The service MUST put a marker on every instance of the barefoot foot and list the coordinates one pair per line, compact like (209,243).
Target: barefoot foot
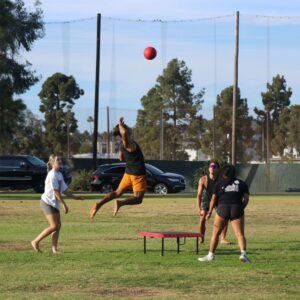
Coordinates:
(55,251)
(35,246)
(117,207)
(225,242)
(202,239)
(94,210)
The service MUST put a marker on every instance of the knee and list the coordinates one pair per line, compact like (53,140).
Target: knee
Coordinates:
(217,230)
(203,217)
(116,194)
(55,227)
(240,235)
(139,199)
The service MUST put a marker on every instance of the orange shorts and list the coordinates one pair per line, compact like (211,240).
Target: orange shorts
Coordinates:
(137,183)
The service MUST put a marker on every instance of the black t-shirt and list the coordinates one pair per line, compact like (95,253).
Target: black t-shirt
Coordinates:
(230,192)
(135,163)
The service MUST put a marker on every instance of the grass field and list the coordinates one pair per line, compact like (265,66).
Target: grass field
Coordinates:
(104,259)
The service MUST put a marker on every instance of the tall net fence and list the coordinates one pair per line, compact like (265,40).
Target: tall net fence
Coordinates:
(268,46)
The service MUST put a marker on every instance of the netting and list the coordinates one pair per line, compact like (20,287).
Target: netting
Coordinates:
(268,46)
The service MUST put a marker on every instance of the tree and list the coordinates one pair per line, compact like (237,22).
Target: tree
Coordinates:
(172,102)
(147,129)
(287,131)
(11,117)
(223,128)
(275,99)
(18,30)
(29,138)
(58,96)
(90,120)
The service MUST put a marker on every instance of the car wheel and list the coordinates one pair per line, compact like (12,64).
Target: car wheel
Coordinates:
(161,189)
(106,188)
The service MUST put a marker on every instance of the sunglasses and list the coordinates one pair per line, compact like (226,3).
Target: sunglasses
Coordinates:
(213,166)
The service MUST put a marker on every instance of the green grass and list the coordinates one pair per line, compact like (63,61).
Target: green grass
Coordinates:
(104,259)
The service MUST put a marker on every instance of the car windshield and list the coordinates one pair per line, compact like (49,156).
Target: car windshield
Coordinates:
(153,169)
(36,161)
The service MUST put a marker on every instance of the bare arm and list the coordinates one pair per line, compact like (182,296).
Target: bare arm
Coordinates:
(201,186)
(71,195)
(129,145)
(212,204)
(61,200)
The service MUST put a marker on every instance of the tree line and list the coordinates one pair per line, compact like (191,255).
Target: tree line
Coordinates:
(169,122)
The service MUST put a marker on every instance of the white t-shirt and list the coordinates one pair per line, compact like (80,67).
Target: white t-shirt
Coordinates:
(54,181)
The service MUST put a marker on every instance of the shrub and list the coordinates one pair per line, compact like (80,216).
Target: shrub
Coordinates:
(81,181)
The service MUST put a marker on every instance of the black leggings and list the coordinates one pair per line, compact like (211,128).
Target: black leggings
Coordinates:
(230,211)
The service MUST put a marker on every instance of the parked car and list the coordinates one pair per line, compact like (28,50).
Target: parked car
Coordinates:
(108,176)
(25,172)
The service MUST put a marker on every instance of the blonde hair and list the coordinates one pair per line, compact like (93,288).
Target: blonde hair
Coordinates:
(50,162)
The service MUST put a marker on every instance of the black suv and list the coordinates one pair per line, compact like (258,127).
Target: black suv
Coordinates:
(107,178)
(25,172)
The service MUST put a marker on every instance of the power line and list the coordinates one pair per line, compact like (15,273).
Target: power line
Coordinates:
(71,21)
(142,20)
(272,17)
(173,21)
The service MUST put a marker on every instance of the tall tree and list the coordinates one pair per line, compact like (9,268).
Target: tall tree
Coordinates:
(18,30)
(287,131)
(173,95)
(90,120)
(58,96)
(29,138)
(11,117)
(222,124)
(275,99)
(147,129)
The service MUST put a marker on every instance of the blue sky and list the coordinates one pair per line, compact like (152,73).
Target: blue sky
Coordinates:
(268,46)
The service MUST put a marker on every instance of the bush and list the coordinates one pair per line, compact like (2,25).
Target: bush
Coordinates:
(81,181)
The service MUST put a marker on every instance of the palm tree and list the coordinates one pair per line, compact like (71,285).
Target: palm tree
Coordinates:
(90,120)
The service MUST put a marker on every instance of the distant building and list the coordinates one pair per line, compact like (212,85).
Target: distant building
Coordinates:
(288,154)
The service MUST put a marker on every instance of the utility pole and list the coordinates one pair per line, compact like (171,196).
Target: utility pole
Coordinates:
(214,131)
(108,133)
(161,152)
(268,135)
(97,79)
(235,91)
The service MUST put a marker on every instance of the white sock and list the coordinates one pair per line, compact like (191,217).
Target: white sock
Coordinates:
(243,252)
(210,254)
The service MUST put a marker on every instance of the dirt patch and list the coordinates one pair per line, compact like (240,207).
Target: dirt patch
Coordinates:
(130,292)
(6,211)
(14,247)
(108,292)
(120,239)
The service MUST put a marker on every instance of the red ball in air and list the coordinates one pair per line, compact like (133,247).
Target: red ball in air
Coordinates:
(150,53)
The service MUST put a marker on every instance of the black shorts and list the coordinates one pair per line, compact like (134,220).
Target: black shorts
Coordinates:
(205,205)
(230,211)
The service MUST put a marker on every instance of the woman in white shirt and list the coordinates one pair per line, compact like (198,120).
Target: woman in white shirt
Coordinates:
(51,201)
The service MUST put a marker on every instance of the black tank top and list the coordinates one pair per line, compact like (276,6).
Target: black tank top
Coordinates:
(135,163)
(210,188)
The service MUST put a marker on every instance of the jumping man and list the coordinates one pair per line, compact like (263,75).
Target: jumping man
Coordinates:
(135,173)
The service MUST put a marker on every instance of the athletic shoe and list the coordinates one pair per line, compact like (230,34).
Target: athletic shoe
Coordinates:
(244,258)
(206,258)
